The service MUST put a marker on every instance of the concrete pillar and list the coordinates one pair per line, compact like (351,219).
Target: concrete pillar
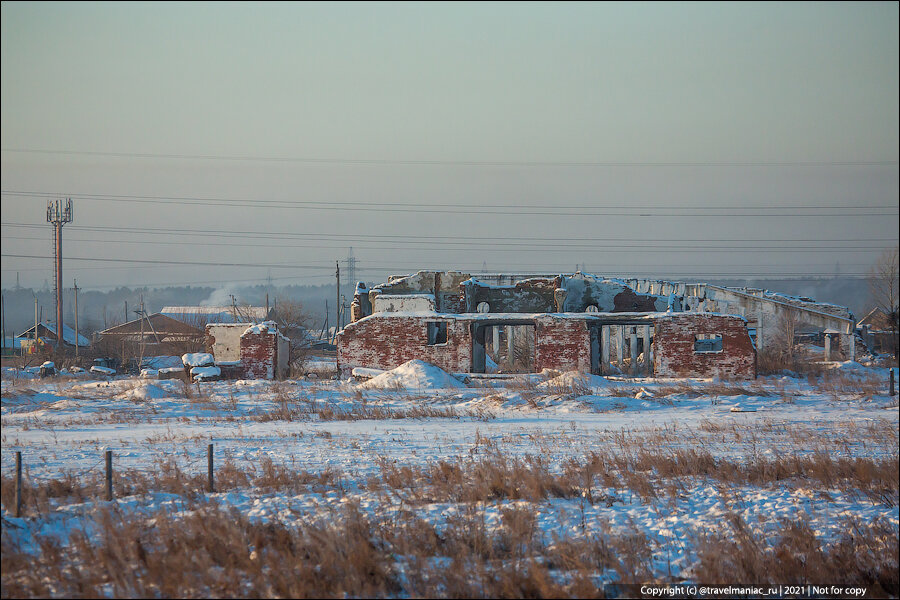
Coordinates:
(620,344)
(851,350)
(510,343)
(759,331)
(604,355)
(648,360)
(634,350)
(827,346)
(495,342)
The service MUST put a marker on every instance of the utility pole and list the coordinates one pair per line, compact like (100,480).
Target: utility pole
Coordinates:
(59,215)
(34,348)
(141,315)
(75,283)
(337,279)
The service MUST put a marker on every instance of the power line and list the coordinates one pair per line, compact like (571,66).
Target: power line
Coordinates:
(461,163)
(630,210)
(171,262)
(496,247)
(407,238)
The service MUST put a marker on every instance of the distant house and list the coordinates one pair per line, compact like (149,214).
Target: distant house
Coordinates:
(46,334)
(201,316)
(154,334)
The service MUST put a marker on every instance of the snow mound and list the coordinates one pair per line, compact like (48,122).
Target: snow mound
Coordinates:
(198,359)
(144,391)
(571,379)
(414,374)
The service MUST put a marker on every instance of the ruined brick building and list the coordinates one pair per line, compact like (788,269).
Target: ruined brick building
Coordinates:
(527,323)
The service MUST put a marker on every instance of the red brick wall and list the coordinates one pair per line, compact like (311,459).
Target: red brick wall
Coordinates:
(387,342)
(564,345)
(258,355)
(673,347)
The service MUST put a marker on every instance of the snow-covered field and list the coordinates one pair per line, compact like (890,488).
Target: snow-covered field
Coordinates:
(679,461)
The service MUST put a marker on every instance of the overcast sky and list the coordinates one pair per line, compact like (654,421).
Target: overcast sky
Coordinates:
(669,140)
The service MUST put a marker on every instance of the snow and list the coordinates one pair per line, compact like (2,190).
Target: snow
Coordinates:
(161,362)
(574,378)
(257,328)
(416,375)
(62,428)
(197,359)
(205,372)
(103,370)
(366,373)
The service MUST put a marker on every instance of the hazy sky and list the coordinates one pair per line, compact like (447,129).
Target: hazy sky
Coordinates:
(691,140)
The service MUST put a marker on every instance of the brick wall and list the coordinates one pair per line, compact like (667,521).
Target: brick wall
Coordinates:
(258,355)
(562,344)
(673,347)
(383,342)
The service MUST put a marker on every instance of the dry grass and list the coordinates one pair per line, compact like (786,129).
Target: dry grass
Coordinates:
(212,552)
(867,555)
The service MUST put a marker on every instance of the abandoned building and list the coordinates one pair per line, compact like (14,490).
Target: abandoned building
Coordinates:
(256,351)
(577,321)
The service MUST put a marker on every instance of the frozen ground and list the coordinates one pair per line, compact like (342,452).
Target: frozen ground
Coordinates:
(418,417)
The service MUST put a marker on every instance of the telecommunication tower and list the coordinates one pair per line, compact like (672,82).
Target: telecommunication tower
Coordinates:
(58,214)
(351,270)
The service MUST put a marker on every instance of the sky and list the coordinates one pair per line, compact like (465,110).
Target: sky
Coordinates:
(223,143)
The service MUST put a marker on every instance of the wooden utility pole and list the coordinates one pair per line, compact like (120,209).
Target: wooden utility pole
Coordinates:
(75,283)
(337,279)
(141,315)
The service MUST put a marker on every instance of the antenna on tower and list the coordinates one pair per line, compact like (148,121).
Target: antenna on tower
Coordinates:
(59,214)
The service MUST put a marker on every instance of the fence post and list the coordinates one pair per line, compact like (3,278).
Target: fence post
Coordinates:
(209,467)
(109,488)
(18,484)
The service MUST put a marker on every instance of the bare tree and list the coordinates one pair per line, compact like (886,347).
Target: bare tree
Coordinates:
(884,285)
(293,321)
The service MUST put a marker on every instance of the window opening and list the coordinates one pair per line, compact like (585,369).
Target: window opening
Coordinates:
(707,342)
(437,332)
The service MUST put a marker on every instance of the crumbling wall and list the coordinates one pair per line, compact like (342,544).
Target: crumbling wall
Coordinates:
(443,285)
(223,340)
(258,355)
(674,347)
(264,351)
(526,296)
(562,344)
(361,306)
(385,342)
(579,291)
(382,303)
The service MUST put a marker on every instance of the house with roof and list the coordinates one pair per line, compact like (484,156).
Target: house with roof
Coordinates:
(47,337)
(155,334)
(201,316)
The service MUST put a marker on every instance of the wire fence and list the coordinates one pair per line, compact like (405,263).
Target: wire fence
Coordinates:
(108,473)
